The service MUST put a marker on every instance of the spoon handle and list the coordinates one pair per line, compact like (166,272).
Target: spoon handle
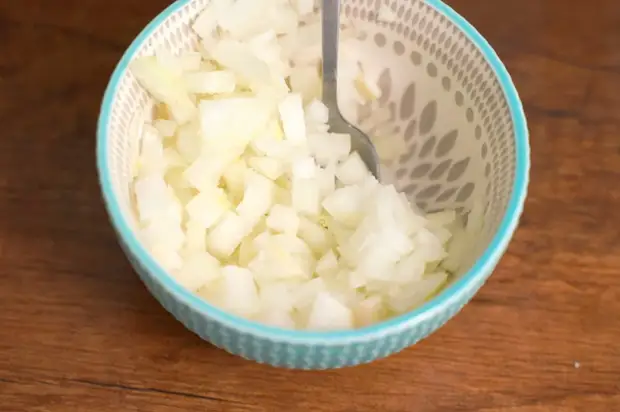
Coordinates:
(330,17)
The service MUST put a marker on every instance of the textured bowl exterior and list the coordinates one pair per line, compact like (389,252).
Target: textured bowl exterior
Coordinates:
(324,350)
(302,355)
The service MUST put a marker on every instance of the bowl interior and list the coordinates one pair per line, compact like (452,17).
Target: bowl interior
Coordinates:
(456,120)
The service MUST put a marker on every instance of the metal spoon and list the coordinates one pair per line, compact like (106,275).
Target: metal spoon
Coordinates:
(337,124)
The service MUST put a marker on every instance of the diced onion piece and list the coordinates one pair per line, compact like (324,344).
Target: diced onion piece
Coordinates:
(276,296)
(283,219)
(267,48)
(317,112)
(305,80)
(328,264)
(357,279)
(410,268)
(345,205)
(292,117)
(314,235)
(213,82)
(205,172)
(329,148)
(328,313)
(165,86)
(228,124)
(188,143)
(277,318)
(239,293)
(208,207)
(303,7)
(172,158)
(244,18)
(326,178)
(165,127)
(306,293)
(227,235)
(152,158)
(163,236)
(234,179)
(195,237)
(267,166)
(272,147)
(154,200)
(257,198)
(168,60)
(417,293)
(353,170)
(207,20)
(190,61)
(282,257)
(238,57)
(368,311)
(304,168)
(167,257)
(198,270)
(306,196)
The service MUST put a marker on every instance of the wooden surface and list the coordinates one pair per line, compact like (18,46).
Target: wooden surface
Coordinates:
(78,331)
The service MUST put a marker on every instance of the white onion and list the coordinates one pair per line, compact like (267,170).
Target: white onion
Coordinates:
(244,195)
(211,82)
(208,206)
(292,116)
(329,313)
(198,270)
(239,293)
(164,85)
(352,170)
(283,219)
(227,235)
(165,127)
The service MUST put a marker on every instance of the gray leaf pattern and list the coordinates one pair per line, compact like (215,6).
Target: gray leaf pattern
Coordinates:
(428,117)
(428,192)
(465,192)
(427,148)
(410,130)
(407,103)
(440,169)
(458,169)
(420,170)
(385,85)
(446,194)
(428,161)
(446,143)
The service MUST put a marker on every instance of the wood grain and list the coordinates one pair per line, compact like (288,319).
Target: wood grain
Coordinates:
(78,331)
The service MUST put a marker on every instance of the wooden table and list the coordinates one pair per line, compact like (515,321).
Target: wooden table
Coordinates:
(79,332)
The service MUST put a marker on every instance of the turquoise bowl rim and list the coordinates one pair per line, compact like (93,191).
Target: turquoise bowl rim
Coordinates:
(444,300)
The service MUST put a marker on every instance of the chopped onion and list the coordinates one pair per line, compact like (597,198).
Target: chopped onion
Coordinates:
(328,313)
(227,235)
(212,82)
(292,115)
(248,200)
(352,171)
(239,293)
(198,270)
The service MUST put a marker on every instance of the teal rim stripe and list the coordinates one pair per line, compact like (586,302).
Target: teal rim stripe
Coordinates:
(447,298)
